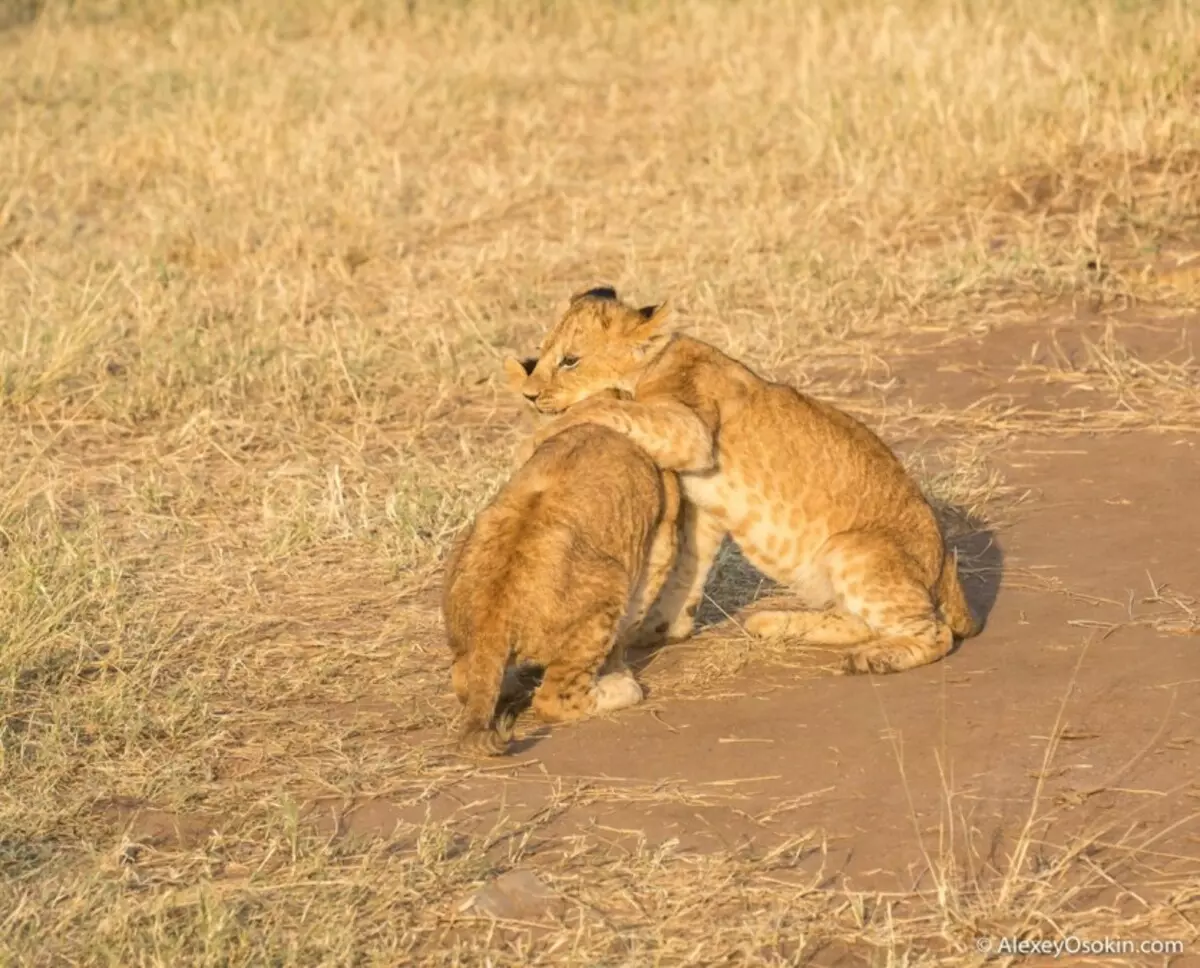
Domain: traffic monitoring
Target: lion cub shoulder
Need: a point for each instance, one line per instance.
(554, 572)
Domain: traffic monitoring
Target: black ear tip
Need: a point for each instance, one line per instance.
(599, 292)
(529, 364)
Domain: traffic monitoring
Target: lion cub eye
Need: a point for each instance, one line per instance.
(568, 362)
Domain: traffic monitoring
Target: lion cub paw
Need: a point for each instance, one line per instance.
(482, 742)
(763, 625)
(617, 690)
(684, 627)
(870, 662)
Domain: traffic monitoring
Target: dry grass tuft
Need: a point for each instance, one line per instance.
(258, 264)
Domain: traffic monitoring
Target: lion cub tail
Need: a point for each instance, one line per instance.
(482, 732)
(952, 601)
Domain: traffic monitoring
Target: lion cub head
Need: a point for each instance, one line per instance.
(599, 345)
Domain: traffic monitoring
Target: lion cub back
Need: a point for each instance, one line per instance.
(561, 549)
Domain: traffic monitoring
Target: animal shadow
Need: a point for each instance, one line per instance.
(980, 556)
(735, 586)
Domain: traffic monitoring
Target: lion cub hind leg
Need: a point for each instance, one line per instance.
(823, 628)
(566, 694)
(570, 687)
(917, 643)
(458, 678)
(479, 677)
(671, 616)
(878, 583)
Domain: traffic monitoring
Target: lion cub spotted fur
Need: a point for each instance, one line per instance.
(557, 572)
(814, 499)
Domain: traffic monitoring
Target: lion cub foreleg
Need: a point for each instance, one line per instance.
(673, 614)
(645, 624)
(674, 436)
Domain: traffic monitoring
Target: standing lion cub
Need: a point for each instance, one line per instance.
(558, 571)
(814, 499)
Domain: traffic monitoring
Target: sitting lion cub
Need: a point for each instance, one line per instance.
(557, 571)
(814, 499)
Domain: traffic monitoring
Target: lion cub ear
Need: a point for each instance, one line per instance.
(654, 316)
(648, 334)
(596, 292)
(515, 372)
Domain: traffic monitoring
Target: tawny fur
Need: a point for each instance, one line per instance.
(557, 572)
(814, 499)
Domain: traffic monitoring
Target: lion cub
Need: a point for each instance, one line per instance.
(557, 571)
(814, 499)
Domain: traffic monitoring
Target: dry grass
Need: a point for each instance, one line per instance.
(258, 263)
